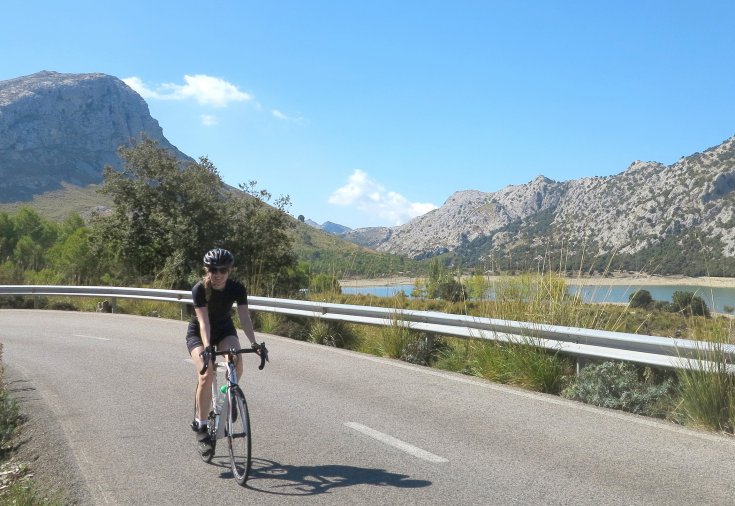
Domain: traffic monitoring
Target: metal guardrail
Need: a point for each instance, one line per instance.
(578, 342)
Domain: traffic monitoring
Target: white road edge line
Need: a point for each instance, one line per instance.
(93, 337)
(396, 443)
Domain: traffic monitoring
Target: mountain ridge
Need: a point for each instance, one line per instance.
(646, 207)
(65, 128)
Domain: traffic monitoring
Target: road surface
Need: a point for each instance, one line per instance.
(338, 427)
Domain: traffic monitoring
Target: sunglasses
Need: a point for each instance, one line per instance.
(218, 270)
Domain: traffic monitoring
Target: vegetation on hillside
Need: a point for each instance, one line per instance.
(325, 253)
(163, 219)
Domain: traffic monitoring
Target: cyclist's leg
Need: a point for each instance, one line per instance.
(204, 384)
(228, 343)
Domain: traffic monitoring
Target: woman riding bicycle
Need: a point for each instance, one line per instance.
(211, 326)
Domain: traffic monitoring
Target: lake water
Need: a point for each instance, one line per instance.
(716, 298)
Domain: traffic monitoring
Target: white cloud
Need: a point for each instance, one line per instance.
(206, 90)
(372, 198)
(284, 117)
(209, 120)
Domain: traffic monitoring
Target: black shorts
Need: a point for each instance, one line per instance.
(217, 332)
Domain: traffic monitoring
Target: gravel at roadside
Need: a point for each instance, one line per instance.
(42, 445)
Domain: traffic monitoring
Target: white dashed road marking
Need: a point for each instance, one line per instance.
(93, 337)
(396, 443)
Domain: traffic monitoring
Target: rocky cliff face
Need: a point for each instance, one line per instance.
(646, 211)
(58, 128)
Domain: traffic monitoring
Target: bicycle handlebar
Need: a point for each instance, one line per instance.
(210, 356)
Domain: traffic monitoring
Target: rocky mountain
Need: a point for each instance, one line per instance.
(329, 227)
(666, 219)
(64, 128)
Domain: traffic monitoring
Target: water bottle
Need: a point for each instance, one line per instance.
(221, 397)
(222, 408)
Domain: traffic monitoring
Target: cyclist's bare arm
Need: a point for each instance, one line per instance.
(246, 323)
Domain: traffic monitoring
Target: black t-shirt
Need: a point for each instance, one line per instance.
(219, 305)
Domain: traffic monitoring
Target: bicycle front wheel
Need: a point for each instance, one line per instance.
(238, 435)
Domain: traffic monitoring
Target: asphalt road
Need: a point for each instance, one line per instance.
(337, 427)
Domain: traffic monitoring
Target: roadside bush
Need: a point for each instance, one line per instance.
(621, 385)
(689, 304)
(400, 341)
(264, 322)
(662, 305)
(332, 333)
(10, 417)
(293, 327)
(325, 283)
(63, 306)
(451, 290)
(708, 393)
(641, 298)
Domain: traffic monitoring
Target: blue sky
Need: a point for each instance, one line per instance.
(370, 113)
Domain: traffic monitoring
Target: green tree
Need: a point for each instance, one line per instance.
(165, 216)
(640, 298)
(261, 241)
(28, 254)
(73, 260)
(7, 236)
(689, 304)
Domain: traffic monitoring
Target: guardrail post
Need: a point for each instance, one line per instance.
(114, 304)
(582, 362)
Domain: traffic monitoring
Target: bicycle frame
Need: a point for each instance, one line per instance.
(230, 380)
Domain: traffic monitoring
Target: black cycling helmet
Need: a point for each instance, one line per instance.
(218, 257)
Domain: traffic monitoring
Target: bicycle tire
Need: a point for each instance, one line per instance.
(239, 435)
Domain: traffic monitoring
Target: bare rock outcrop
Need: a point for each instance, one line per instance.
(58, 128)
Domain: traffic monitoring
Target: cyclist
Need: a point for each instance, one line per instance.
(211, 326)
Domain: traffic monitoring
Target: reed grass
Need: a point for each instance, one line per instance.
(707, 390)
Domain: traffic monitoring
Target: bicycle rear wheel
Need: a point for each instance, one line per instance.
(238, 435)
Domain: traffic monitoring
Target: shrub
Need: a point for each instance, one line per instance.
(451, 290)
(708, 394)
(662, 305)
(293, 327)
(641, 298)
(325, 283)
(689, 304)
(332, 333)
(10, 417)
(621, 385)
(265, 322)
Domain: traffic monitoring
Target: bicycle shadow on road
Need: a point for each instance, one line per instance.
(281, 479)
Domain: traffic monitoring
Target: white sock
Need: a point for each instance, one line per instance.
(201, 422)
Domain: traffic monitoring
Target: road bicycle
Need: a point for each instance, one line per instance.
(228, 416)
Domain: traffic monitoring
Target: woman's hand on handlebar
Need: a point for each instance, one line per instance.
(207, 356)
